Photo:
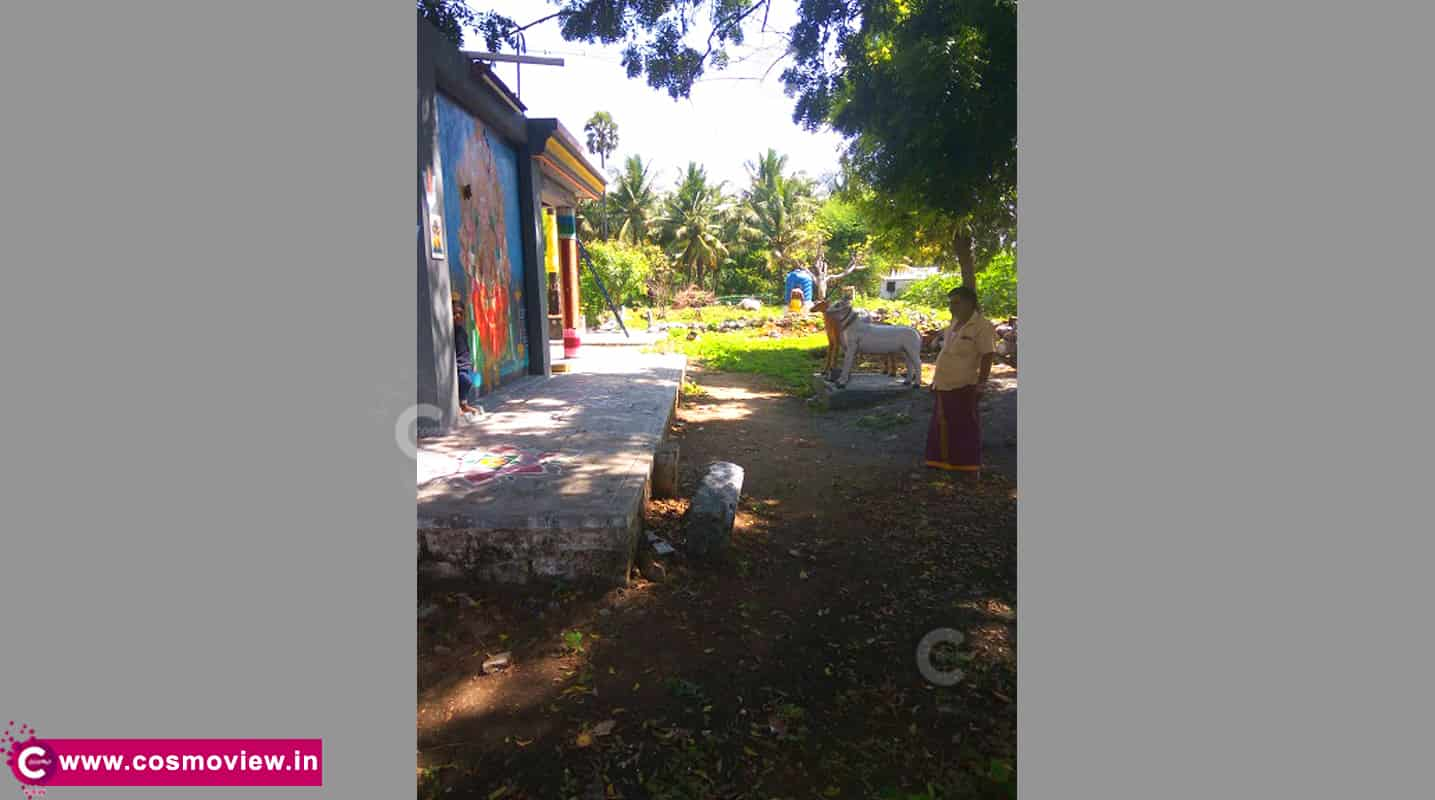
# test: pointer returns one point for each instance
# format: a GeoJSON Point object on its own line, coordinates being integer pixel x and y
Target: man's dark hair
{"type": "Point", "coordinates": [964, 291]}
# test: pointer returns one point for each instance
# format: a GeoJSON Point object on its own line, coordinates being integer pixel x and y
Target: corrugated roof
{"type": "Point", "coordinates": [914, 273]}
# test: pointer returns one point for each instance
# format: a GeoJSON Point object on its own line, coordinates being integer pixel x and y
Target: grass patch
{"type": "Point", "coordinates": [901, 311]}
{"type": "Point", "coordinates": [790, 360]}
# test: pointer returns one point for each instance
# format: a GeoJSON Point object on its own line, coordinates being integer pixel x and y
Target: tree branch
{"type": "Point", "coordinates": [844, 273]}
{"type": "Point", "coordinates": [724, 27]}
{"type": "Point", "coordinates": [539, 21]}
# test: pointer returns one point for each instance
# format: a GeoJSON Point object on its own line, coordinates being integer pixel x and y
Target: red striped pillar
{"type": "Point", "coordinates": [568, 267]}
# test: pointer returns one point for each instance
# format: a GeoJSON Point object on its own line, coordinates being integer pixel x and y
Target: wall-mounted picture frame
{"type": "Point", "coordinates": [436, 248]}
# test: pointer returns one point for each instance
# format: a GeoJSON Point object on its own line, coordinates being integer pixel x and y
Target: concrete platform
{"type": "Point", "coordinates": [605, 340]}
{"type": "Point", "coordinates": [636, 338]}
{"type": "Point", "coordinates": [551, 482]}
{"type": "Point", "coordinates": [865, 389]}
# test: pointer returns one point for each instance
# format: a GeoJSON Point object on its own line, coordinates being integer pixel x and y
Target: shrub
{"type": "Point", "coordinates": [625, 270]}
{"type": "Point", "coordinates": [932, 291]}
{"type": "Point", "coordinates": [996, 287]}
{"type": "Point", "coordinates": [745, 281]}
{"type": "Point", "coordinates": [693, 297]}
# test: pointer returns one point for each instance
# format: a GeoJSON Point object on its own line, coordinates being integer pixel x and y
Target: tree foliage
{"type": "Point", "coordinates": [635, 201]}
{"type": "Point", "coordinates": [845, 236]}
{"type": "Point", "coordinates": [996, 292]}
{"type": "Point", "coordinates": [923, 90]}
{"type": "Point", "coordinates": [776, 210]}
{"type": "Point", "coordinates": [922, 234]}
{"type": "Point", "coordinates": [627, 271]}
{"type": "Point", "coordinates": [745, 243]}
{"type": "Point", "coordinates": [450, 17]}
{"type": "Point", "coordinates": [944, 177]}
{"type": "Point", "coordinates": [693, 225]}
{"type": "Point", "coordinates": [779, 220]}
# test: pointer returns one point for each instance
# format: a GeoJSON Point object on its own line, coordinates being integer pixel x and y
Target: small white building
{"type": "Point", "coordinates": [897, 281]}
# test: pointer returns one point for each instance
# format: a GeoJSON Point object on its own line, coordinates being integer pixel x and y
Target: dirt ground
{"type": "Point", "coordinates": [788, 671]}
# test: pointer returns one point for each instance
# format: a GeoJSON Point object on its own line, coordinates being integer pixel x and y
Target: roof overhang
{"type": "Point", "coordinates": [484, 74]}
{"type": "Point", "coordinates": [560, 157]}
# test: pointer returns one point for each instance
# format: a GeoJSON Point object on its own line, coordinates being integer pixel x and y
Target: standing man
{"type": "Point", "coordinates": [954, 440]}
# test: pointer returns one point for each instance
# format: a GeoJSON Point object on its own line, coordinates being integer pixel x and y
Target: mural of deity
{"type": "Point", "coordinates": [480, 186]}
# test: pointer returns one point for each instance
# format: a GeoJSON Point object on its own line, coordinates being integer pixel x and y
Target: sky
{"type": "Point", "coordinates": [724, 124]}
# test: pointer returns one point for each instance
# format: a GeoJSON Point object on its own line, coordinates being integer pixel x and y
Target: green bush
{"type": "Point", "coordinates": [932, 292]}
{"type": "Point", "coordinates": [996, 287]}
{"type": "Point", "coordinates": [624, 269]}
{"type": "Point", "coordinates": [746, 280]}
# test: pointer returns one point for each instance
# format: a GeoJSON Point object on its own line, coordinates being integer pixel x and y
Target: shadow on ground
{"type": "Point", "coordinates": [789, 670]}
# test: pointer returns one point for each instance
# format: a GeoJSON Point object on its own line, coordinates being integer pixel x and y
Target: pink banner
{"type": "Point", "coordinates": [168, 762]}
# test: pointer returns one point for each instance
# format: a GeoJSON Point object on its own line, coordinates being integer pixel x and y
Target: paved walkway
{"type": "Point", "coordinates": [550, 481]}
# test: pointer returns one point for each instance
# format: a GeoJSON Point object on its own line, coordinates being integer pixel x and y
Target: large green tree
{"type": "Point", "coordinates": [916, 233]}
{"type": "Point", "coordinates": [924, 90]}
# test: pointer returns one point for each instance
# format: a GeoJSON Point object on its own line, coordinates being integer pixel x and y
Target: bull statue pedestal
{"type": "Point", "coordinates": [863, 390]}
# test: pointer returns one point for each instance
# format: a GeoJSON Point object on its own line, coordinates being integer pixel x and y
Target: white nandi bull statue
{"type": "Point", "coordinates": [861, 336]}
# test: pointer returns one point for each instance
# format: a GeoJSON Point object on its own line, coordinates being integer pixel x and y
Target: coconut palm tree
{"type": "Point", "coordinates": [693, 224]}
{"type": "Point", "coordinates": [591, 220]}
{"type": "Point", "coordinates": [765, 173]}
{"type": "Point", "coordinates": [634, 201]}
{"type": "Point", "coordinates": [776, 209]}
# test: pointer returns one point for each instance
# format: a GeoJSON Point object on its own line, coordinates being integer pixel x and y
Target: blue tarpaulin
{"type": "Point", "coordinates": [798, 279]}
